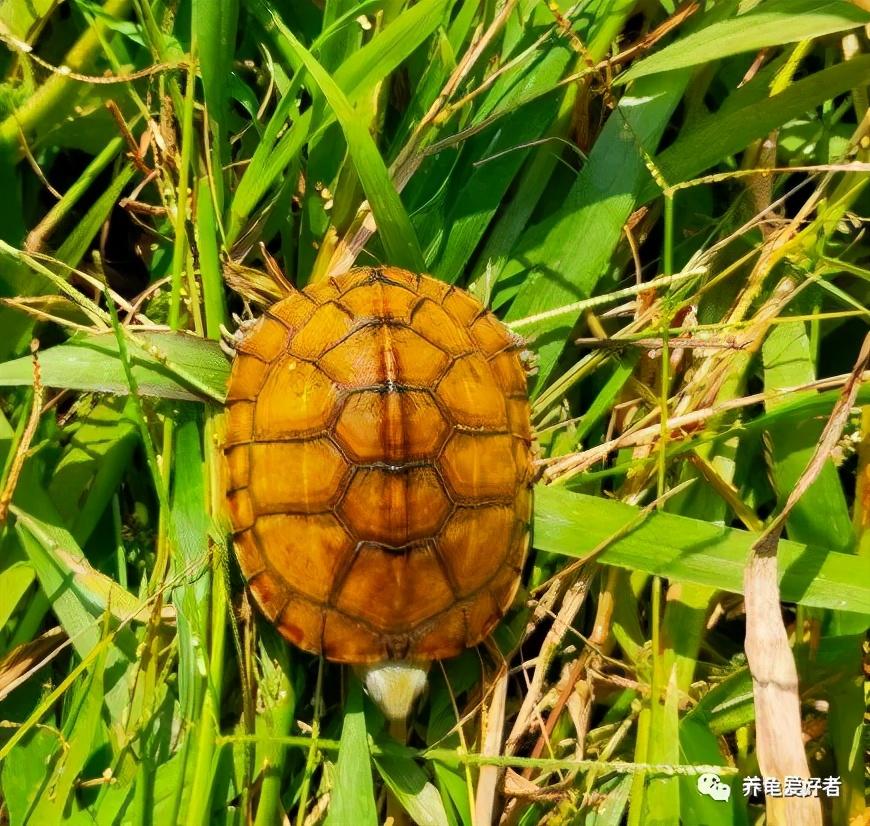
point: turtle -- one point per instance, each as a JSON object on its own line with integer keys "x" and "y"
{"x": 379, "y": 467}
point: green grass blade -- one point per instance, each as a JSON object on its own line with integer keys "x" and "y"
{"x": 208, "y": 246}
{"x": 77, "y": 243}
{"x": 214, "y": 35}
{"x": 91, "y": 363}
{"x": 408, "y": 782}
{"x": 598, "y": 205}
{"x": 62, "y": 567}
{"x": 353, "y": 798}
{"x": 81, "y": 733}
{"x": 691, "y": 550}
{"x": 716, "y": 136}
{"x": 389, "y": 48}
{"x": 189, "y": 555}
{"x": 394, "y": 226}
{"x": 56, "y": 97}
{"x": 92, "y": 465}
{"x": 773, "y": 23}
{"x": 23, "y": 773}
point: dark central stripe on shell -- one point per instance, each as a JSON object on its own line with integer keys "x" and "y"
{"x": 393, "y": 430}
{"x": 397, "y": 467}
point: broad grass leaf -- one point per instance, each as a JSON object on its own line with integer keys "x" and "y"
{"x": 356, "y": 78}
{"x": 23, "y": 774}
{"x": 612, "y": 808}
{"x": 603, "y": 401}
{"x": 92, "y": 464}
{"x": 663, "y": 794}
{"x": 79, "y": 240}
{"x": 214, "y": 297}
{"x": 91, "y": 363}
{"x": 15, "y": 580}
{"x": 692, "y": 550}
{"x": 353, "y": 798}
{"x": 214, "y": 35}
{"x": 21, "y": 16}
{"x": 56, "y": 558}
{"x": 453, "y": 786}
{"x": 77, "y": 592}
{"x": 490, "y": 164}
{"x": 821, "y": 516}
{"x": 189, "y": 534}
{"x": 275, "y": 717}
{"x": 409, "y": 783}
{"x": 727, "y": 706}
{"x": 117, "y": 802}
{"x": 268, "y": 163}
{"x": 773, "y": 23}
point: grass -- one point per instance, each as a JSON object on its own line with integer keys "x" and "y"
{"x": 669, "y": 203}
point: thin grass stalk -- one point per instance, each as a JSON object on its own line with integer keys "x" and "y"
{"x": 313, "y": 748}
{"x": 180, "y": 246}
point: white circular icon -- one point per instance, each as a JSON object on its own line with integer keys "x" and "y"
{"x": 710, "y": 785}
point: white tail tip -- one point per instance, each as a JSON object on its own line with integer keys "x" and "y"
{"x": 394, "y": 686}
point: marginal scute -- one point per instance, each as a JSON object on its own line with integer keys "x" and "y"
{"x": 324, "y": 291}
{"x": 509, "y": 372}
{"x": 489, "y": 334}
{"x": 248, "y": 376}
{"x": 270, "y": 592}
{"x": 352, "y": 641}
{"x": 300, "y": 621}
{"x": 445, "y": 635}
{"x": 505, "y": 586}
{"x": 518, "y": 418}
{"x": 378, "y": 467}
{"x": 241, "y": 509}
{"x": 250, "y": 560}
{"x": 343, "y": 284}
{"x": 238, "y": 470}
{"x": 396, "y": 275}
{"x": 482, "y": 614}
{"x": 463, "y": 307}
{"x": 240, "y": 423}
{"x": 433, "y": 288}
{"x": 292, "y": 312}
{"x": 522, "y": 459}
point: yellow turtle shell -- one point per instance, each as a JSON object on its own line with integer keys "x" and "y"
{"x": 378, "y": 452}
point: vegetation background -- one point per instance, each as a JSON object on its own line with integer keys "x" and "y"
{"x": 668, "y": 202}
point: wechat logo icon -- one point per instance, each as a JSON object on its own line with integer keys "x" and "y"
{"x": 710, "y": 785}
